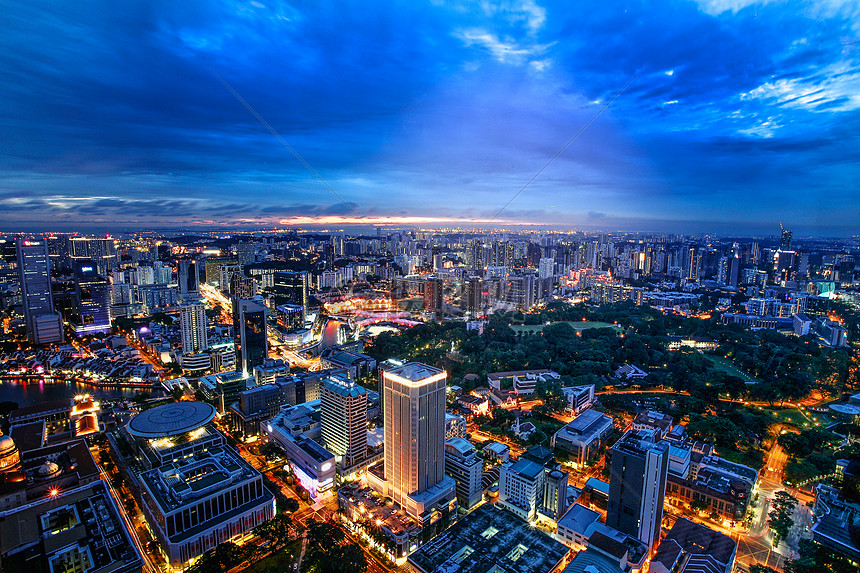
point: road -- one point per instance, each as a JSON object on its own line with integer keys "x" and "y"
{"x": 149, "y": 566}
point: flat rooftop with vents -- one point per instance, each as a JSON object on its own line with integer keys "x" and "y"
{"x": 490, "y": 540}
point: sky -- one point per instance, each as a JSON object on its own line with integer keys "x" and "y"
{"x": 737, "y": 114}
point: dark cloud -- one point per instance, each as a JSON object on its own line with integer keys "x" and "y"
{"x": 117, "y": 111}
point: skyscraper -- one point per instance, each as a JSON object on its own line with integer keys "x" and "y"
{"x": 344, "y": 420}
{"x": 291, "y": 288}
{"x": 189, "y": 280}
{"x": 249, "y": 332}
{"x": 92, "y": 299}
{"x": 414, "y": 467}
{"x": 433, "y": 294}
{"x": 472, "y": 297}
{"x": 44, "y": 324}
{"x": 637, "y": 485}
{"x": 245, "y": 254}
{"x": 785, "y": 239}
{"x": 192, "y": 322}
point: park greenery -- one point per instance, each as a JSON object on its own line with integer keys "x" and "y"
{"x": 764, "y": 367}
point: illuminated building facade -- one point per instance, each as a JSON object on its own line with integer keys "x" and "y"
{"x": 413, "y": 472}
{"x": 92, "y": 299}
{"x": 192, "y": 322}
{"x": 203, "y": 500}
{"x": 344, "y": 420}
{"x": 249, "y": 332}
{"x": 44, "y": 324}
{"x": 298, "y": 431}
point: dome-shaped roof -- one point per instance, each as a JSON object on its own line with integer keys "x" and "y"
{"x": 49, "y": 469}
{"x": 7, "y": 445}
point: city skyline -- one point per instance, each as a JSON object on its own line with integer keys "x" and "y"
{"x": 738, "y": 114}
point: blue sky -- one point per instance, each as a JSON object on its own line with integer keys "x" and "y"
{"x": 740, "y": 113}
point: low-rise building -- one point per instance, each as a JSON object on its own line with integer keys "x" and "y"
{"x": 583, "y": 436}
{"x": 693, "y": 548}
{"x": 298, "y": 431}
{"x": 78, "y": 530}
{"x": 651, "y": 419}
{"x": 579, "y": 398}
{"x": 357, "y": 365}
{"x": 497, "y": 451}
{"x": 523, "y": 382}
{"x": 202, "y": 501}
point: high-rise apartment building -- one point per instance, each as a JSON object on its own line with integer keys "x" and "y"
{"x": 472, "y": 297}
{"x": 92, "y": 299}
{"x": 414, "y": 467}
{"x": 546, "y": 268}
{"x": 249, "y": 333}
{"x": 637, "y": 484}
{"x": 44, "y": 324}
{"x": 192, "y": 322}
{"x": 433, "y": 294}
{"x": 344, "y": 420}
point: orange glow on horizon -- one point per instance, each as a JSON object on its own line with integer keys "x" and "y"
{"x": 390, "y": 220}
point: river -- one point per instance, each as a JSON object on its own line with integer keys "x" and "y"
{"x": 29, "y": 392}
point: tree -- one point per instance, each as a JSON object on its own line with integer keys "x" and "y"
{"x": 780, "y": 516}
{"x": 279, "y": 530}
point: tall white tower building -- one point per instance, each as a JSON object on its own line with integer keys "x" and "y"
{"x": 192, "y": 321}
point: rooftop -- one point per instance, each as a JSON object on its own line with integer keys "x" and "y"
{"x": 578, "y": 518}
{"x": 588, "y": 423}
{"x": 81, "y": 525}
{"x": 343, "y": 387}
{"x": 171, "y": 419}
{"x": 695, "y": 540}
{"x": 415, "y": 371}
{"x": 488, "y": 539}
{"x": 526, "y": 468}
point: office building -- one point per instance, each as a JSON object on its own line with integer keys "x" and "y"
{"x": 291, "y": 288}
{"x": 245, "y": 254}
{"x": 203, "y": 500}
{"x": 189, "y": 280}
{"x": 464, "y": 465}
{"x": 102, "y": 251}
{"x": 223, "y": 389}
{"x": 259, "y": 404}
{"x": 249, "y": 333}
{"x": 242, "y": 286}
{"x": 192, "y": 323}
{"x": 413, "y": 473}
{"x": 92, "y": 299}
{"x": 269, "y": 371}
{"x": 637, "y": 484}
{"x": 213, "y": 270}
{"x": 44, "y": 324}
{"x": 79, "y": 529}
